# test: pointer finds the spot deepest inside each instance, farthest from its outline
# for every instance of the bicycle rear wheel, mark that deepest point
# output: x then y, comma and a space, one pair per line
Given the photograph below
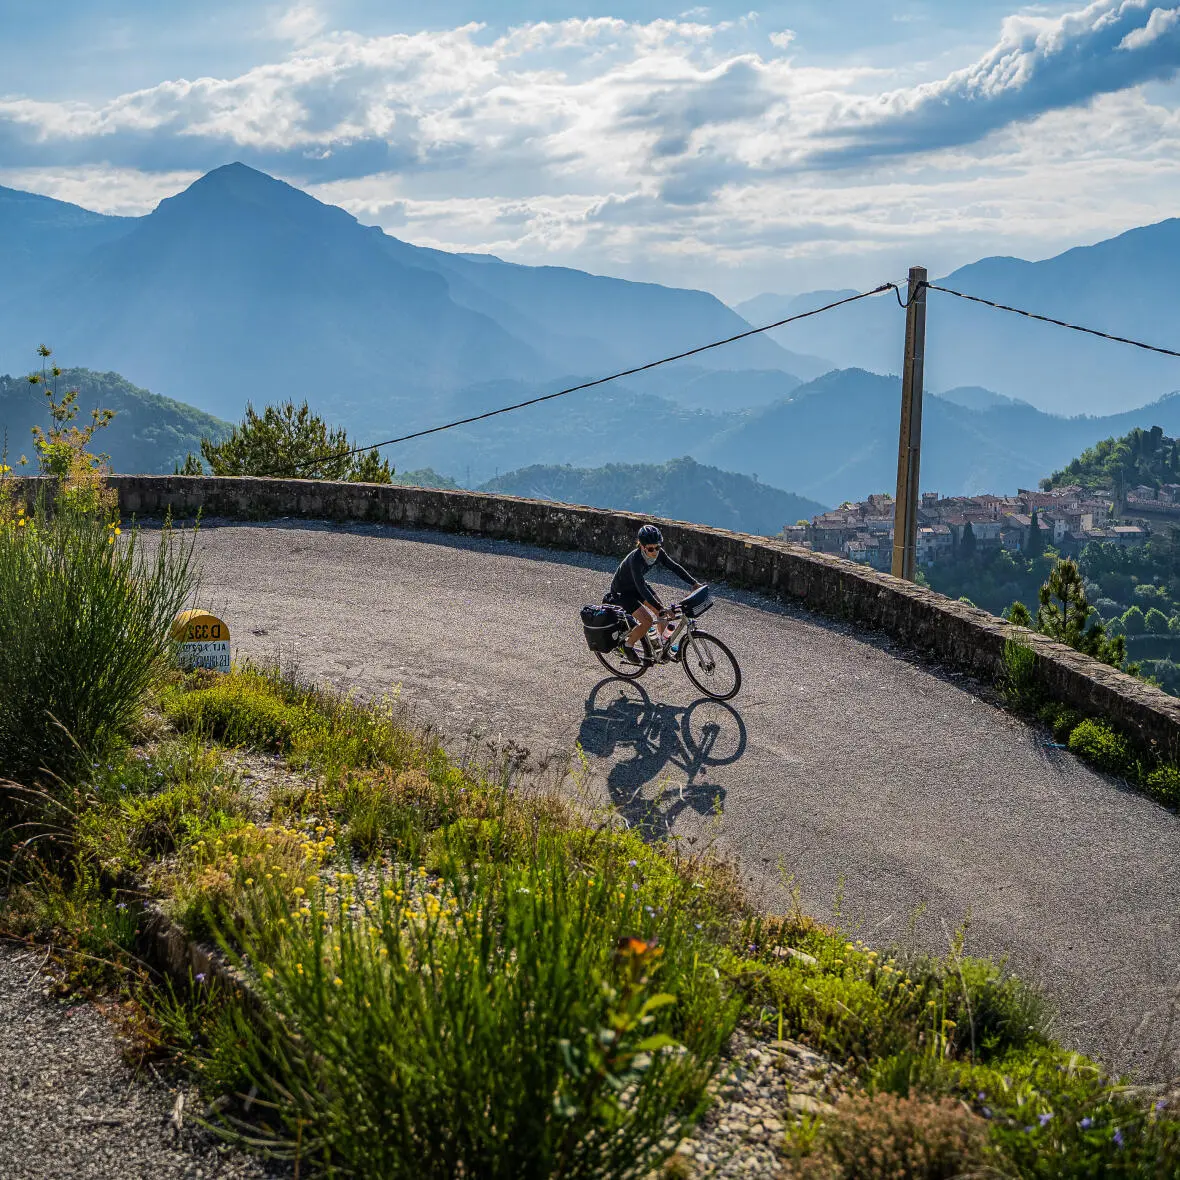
617, 665
710, 665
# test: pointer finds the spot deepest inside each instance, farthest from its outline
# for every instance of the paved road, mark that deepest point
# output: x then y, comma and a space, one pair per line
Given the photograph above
842, 768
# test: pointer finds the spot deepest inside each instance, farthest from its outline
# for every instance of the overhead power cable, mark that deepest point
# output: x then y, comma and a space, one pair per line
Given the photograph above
532, 401
1032, 315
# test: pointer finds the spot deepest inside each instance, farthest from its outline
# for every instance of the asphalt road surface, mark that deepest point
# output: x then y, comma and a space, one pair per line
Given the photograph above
874, 784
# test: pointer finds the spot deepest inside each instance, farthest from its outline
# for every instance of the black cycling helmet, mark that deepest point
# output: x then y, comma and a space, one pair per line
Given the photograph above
650, 535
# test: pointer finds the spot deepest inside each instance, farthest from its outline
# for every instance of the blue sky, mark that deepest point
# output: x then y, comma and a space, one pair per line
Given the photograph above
785, 148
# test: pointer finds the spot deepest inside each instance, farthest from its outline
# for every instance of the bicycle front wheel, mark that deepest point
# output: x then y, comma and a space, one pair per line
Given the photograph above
711, 666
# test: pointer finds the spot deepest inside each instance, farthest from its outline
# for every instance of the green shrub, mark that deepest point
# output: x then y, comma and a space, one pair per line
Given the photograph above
1018, 679
263, 709
542, 1020
1163, 785
1061, 719
84, 630
238, 711
1099, 745
994, 1013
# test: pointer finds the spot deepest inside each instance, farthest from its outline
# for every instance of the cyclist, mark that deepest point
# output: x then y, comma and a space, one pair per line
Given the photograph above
630, 590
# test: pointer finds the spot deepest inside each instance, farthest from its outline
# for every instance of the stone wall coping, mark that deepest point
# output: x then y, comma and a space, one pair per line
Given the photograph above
951, 633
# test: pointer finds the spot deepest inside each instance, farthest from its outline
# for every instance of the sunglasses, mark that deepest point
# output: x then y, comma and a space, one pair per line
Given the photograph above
651, 548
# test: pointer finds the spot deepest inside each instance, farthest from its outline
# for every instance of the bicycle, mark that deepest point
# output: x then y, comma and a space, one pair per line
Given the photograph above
706, 661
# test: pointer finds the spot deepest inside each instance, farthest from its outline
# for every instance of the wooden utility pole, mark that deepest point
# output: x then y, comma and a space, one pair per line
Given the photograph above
909, 447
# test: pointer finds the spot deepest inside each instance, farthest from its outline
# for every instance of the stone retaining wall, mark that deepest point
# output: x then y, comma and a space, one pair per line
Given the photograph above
953, 634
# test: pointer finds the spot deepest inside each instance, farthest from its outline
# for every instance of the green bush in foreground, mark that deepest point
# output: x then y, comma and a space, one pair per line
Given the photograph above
85, 617
501, 1020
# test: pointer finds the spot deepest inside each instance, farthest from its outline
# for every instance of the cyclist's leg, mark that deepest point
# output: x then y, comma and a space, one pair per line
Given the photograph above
643, 620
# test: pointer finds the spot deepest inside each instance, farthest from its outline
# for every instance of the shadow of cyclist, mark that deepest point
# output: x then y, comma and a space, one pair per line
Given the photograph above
665, 739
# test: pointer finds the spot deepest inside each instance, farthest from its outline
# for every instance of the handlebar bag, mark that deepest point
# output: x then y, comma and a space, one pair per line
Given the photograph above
697, 602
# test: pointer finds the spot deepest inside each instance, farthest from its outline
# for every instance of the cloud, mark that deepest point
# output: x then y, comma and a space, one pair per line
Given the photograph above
1039, 64
677, 149
299, 24
730, 94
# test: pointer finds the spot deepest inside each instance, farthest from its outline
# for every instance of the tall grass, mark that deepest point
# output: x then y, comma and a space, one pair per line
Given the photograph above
84, 627
500, 1020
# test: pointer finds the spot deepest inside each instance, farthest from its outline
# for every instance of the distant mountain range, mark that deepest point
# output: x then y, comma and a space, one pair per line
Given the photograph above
242, 286
148, 435
1126, 285
999, 449
829, 440
680, 490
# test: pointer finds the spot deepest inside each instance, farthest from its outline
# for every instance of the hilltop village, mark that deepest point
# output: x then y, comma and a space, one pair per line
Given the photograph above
1066, 518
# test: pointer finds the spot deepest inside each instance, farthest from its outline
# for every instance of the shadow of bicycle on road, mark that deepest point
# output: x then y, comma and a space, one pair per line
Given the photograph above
666, 739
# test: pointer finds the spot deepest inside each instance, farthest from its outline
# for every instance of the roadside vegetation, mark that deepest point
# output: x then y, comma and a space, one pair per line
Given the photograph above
287, 441
438, 964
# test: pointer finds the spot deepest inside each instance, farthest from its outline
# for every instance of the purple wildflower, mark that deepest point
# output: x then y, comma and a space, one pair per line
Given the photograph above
1087, 1122
121, 906
1117, 1137
633, 863
635, 885
1045, 1117
200, 976
987, 1112
1161, 1104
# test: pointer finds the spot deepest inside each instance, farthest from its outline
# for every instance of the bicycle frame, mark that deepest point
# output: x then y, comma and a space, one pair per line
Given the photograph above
684, 626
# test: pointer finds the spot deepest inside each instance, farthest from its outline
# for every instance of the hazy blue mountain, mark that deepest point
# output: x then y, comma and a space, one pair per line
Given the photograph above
975, 397
38, 235
615, 423
831, 439
148, 435
1126, 285
680, 490
717, 391
836, 438
243, 286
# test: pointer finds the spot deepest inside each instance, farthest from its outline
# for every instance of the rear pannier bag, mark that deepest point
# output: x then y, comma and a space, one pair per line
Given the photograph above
603, 626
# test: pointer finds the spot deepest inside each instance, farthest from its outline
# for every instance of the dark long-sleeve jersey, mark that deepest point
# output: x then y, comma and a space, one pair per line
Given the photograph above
629, 586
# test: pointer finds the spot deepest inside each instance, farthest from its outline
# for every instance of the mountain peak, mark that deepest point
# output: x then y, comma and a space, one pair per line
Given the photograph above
244, 190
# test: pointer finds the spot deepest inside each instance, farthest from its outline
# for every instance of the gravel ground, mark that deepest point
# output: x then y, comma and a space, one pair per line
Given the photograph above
70, 1109
764, 1085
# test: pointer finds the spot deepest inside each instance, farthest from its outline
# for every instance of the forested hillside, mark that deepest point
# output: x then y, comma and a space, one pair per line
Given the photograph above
148, 435
681, 490
1147, 457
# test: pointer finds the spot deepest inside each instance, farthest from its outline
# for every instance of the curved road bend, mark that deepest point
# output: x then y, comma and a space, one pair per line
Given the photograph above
841, 767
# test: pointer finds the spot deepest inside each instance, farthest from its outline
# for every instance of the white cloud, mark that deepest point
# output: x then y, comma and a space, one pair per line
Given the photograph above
1161, 21
662, 149
299, 24
1040, 64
